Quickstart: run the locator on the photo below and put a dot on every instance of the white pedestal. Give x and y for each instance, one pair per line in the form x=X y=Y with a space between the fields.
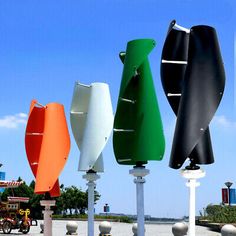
x=91 y=178
x=47 y=216
x=140 y=173
x=192 y=176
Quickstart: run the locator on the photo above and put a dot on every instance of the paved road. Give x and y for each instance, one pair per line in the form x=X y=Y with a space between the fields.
x=118 y=229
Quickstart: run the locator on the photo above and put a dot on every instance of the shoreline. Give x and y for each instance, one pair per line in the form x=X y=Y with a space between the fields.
x=117 y=220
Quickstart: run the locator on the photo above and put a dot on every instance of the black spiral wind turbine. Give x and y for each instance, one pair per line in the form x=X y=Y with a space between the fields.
x=193 y=79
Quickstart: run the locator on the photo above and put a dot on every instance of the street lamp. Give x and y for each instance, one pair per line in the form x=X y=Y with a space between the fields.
x=228 y=185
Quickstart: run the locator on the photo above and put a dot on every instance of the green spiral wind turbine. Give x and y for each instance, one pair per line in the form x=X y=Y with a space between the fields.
x=138 y=134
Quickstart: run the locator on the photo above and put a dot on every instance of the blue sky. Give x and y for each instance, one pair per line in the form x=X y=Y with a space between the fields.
x=45 y=46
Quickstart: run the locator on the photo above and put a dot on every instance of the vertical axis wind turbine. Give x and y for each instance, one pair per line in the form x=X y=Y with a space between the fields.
x=47 y=144
x=91 y=119
x=138 y=133
x=193 y=79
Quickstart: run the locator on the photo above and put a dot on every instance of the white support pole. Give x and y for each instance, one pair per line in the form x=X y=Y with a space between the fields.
x=140 y=204
x=47 y=216
x=192 y=184
x=91 y=178
x=192 y=176
x=140 y=173
x=91 y=186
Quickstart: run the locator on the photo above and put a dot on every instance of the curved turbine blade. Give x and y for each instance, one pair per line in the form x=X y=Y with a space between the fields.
x=91 y=121
x=194 y=90
x=47 y=144
x=138 y=133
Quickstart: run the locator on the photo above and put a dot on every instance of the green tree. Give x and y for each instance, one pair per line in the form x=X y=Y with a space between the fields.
x=72 y=199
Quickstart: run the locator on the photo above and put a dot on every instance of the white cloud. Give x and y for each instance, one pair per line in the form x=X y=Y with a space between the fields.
x=224 y=122
x=22 y=115
x=13 y=121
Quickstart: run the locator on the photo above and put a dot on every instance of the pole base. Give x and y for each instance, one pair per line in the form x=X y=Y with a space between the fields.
x=91 y=177
x=193 y=174
x=139 y=172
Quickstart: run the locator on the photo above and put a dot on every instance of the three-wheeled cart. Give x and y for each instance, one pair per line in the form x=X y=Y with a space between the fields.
x=13 y=217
